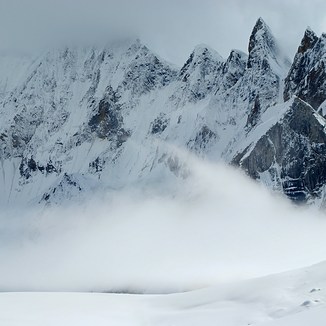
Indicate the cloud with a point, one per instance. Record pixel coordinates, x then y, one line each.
213 227
171 27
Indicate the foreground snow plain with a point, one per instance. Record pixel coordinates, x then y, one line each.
294 298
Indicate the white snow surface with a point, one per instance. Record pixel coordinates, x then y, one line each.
296 298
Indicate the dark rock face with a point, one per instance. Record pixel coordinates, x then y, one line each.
233 69
257 163
159 124
293 151
24 169
96 165
24 127
294 189
183 72
107 123
307 76
254 114
308 42
28 167
261 38
50 168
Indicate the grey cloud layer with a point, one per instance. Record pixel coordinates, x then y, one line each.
170 27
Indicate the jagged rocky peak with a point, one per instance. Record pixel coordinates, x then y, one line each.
261 42
204 59
265 70
125 65
234 68
236 57
200 75
263 47
261 34
308 41
307 76
147 71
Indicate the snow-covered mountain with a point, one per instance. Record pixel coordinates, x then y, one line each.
83 119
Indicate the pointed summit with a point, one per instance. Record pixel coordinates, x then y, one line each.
266 67
263 48
200 74
307 76
308 41
203 49
261 35
233 68
201 55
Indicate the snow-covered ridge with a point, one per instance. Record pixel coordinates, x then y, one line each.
83 118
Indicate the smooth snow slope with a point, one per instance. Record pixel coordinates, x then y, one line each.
293 299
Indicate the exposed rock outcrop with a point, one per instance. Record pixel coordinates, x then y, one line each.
292 151
307 76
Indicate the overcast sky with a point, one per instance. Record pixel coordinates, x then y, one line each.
170 27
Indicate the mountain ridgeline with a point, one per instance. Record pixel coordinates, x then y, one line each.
83 119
